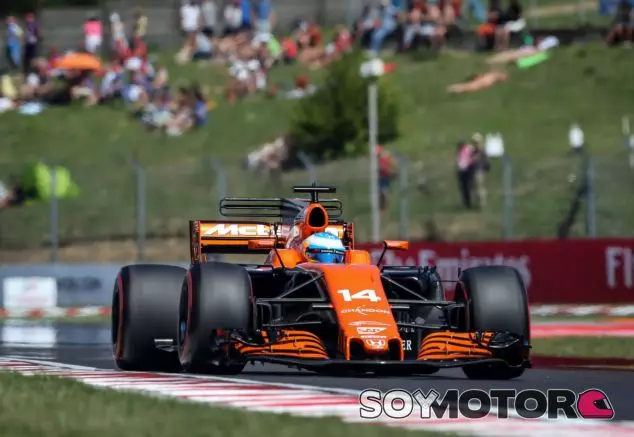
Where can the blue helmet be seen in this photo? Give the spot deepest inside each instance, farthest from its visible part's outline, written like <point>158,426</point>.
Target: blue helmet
<point>324,247</point>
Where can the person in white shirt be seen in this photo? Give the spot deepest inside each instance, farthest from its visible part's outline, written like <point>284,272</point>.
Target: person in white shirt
<point>232,18</point>
<point>210,17</point>
<point>190,17</point>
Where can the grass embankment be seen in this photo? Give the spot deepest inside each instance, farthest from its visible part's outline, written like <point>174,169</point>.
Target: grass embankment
<point>585,347</point>
<point>533,110</point>
<point>54,407</point>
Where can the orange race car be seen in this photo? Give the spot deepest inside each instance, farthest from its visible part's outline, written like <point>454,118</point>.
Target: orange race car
<point>315,303</point>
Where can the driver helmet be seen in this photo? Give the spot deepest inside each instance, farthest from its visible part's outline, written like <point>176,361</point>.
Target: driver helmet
<point>324,247</point>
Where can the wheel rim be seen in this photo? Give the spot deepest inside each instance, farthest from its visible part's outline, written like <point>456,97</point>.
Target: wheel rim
<point>182,320</point>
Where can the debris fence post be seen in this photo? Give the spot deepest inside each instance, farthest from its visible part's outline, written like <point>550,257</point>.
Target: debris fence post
<point>507,195</point>
<point>221,177</point>
<point>140,205</point>
<point>312,170</point>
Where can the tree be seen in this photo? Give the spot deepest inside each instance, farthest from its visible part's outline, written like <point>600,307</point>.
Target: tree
<point>333,122</point>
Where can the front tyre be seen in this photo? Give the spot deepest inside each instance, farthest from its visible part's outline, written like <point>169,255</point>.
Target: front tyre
<point>215,300</point>
<point>496,301</point>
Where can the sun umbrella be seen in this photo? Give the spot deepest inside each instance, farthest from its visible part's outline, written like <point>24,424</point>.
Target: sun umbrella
<point>79,61</point>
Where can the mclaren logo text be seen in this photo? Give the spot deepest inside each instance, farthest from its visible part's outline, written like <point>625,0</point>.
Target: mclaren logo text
<point>237,230</point>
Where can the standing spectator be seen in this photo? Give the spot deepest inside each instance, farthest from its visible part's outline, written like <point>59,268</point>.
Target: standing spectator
<point>387,173</point>
<point>481,166</point>
<point>117,33</point>
<point>139,29</point>
<point>33,39</point>
<point>93,34</point>
<point>264,16</point>
<point>190,21</point>
<point>385,27</point>
<point>210,17</point>
<point>232,15</point>
<point>464,162</point>
<point>247,12</point>
<point>14,43</point>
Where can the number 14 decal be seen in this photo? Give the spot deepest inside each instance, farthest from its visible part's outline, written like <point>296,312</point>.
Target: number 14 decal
<point>363,294</point>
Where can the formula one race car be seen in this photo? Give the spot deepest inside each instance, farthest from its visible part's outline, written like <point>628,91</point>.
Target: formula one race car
<point>340,317</point>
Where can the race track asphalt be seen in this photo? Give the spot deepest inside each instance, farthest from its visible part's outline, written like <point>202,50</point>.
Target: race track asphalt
<point>618,385</point>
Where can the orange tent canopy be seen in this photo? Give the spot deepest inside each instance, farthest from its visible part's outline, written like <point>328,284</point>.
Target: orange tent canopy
<point>79,61</point>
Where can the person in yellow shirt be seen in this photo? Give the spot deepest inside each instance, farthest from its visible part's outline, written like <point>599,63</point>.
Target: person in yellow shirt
<point>140,24</point>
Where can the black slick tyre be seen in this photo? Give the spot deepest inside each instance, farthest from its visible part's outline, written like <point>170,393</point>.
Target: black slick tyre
<point>145,308</point>
<point>215,300</point>
<point>496,301</point>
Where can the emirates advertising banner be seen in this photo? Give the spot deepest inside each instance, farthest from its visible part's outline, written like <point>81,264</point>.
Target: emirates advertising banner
<point>599,271</point>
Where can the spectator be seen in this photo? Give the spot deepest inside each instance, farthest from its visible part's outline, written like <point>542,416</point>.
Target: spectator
<point>210,17</point>
<point>14,43</point>
<point>264,17</point>
<point>247,11</point>
<point>493,30</point>
<point>512,22</point>
<point>33,39</point>
<point>190,21</point>
<point>139,29</point>
<point>199,107</point>
<point>365,24</point>
<point>481,166</point>
<point>232,18</point>
<point>385,27</point>
<point>464,164</point>
<point>387,173</point>
<point>93,35</point>
<point>421,23</point>
<point>119,39</point>
<point>621,29</point>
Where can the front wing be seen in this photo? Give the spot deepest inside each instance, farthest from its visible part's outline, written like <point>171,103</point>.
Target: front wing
<point>444,349</point>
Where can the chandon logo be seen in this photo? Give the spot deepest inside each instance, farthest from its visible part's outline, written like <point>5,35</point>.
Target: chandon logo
<point>364,311</point>
<point>369,330</point>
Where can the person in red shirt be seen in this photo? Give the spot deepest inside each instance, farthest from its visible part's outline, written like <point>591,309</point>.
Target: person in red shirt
<point>387,173</point>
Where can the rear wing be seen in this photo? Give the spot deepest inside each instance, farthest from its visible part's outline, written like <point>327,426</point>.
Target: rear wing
<point>216,236</point>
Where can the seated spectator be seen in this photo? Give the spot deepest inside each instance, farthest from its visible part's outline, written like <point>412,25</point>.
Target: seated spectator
<point>621,30</point>
<point>421,23</point>
<point>290,50</point>
<point>385,27</point>
<point>341,44</point>
<point>512,22</point>
<point>112,82</point>
<point>364,27</point>
<point>38,81</point>
<point>493,31</point>
<point>84,88</point>
<point>309,39</point>
<point>199,107</point>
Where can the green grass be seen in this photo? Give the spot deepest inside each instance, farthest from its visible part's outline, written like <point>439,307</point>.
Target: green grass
<point>590,85</point>
<point>54,407</point>
<point>585,347</point>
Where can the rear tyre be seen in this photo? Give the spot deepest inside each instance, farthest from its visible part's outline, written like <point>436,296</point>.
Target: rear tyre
<point>144,308</point>
<point>497,301</point>
<point>215,299</point>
